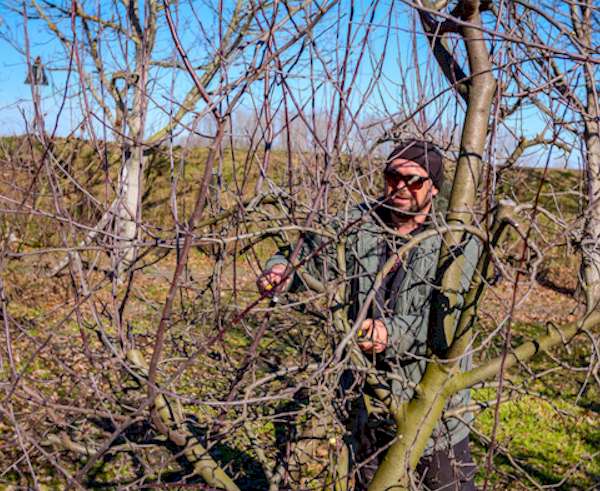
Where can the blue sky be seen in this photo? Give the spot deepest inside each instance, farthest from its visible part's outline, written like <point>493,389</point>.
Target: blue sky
<point>15,94</point>
<point>396,90</point>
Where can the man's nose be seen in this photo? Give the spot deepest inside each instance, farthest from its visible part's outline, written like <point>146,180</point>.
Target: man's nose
<point>401,185</point>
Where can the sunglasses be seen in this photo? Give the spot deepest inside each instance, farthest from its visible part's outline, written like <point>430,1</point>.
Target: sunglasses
<point>412,183</point>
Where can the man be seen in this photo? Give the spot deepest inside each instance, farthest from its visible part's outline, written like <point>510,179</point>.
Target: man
<point>397,331</point>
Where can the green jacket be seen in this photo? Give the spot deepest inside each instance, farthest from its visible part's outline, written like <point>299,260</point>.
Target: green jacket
<point>408,327</point>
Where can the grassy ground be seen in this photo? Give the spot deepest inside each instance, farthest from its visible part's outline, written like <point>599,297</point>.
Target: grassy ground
<point>549,433</point>
<point>550,439</point>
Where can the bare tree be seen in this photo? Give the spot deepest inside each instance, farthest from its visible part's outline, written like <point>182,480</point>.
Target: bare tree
<point>117,55</point>
<point>251,126</point>
<point>559,75</point>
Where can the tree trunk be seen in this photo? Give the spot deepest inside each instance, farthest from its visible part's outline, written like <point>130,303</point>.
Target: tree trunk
<point>591,233</point>
<point>417,418</point>
<point>129,209</point>
<point>590,261</point>
<point>131,188</point>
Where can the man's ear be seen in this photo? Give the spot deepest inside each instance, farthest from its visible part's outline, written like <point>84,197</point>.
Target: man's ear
<point>434,190</point>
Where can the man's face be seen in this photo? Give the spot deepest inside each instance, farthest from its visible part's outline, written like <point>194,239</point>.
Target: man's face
<point>408,187</point>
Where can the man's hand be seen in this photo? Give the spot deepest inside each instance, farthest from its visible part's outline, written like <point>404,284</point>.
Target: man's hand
<point>372,336</point>
<point>271,279</point>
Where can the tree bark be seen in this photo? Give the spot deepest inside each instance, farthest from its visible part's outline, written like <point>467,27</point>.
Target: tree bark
<point>417,418</point>
<point>129,208</point>
<point>591,232</point>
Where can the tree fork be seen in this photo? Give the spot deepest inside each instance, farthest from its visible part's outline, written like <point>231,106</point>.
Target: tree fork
<point>169,421</point>
<point>418,419</point>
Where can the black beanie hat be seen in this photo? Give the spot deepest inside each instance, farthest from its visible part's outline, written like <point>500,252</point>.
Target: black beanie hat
<point>426,154</point>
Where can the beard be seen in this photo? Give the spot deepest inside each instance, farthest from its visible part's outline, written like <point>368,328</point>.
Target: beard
<point>408,209</point>
<point>409,206</point>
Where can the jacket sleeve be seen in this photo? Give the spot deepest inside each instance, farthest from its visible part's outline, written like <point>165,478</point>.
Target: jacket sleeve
<point>317,258</point>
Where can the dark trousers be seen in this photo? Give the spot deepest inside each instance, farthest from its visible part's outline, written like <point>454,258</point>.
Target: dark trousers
<point>450,469</point>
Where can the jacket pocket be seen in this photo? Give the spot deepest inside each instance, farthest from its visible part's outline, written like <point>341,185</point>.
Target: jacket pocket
<point>407,334</point>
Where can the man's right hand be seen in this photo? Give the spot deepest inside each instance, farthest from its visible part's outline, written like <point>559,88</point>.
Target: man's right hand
<point>372,336</point>
<point>271,279</point>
